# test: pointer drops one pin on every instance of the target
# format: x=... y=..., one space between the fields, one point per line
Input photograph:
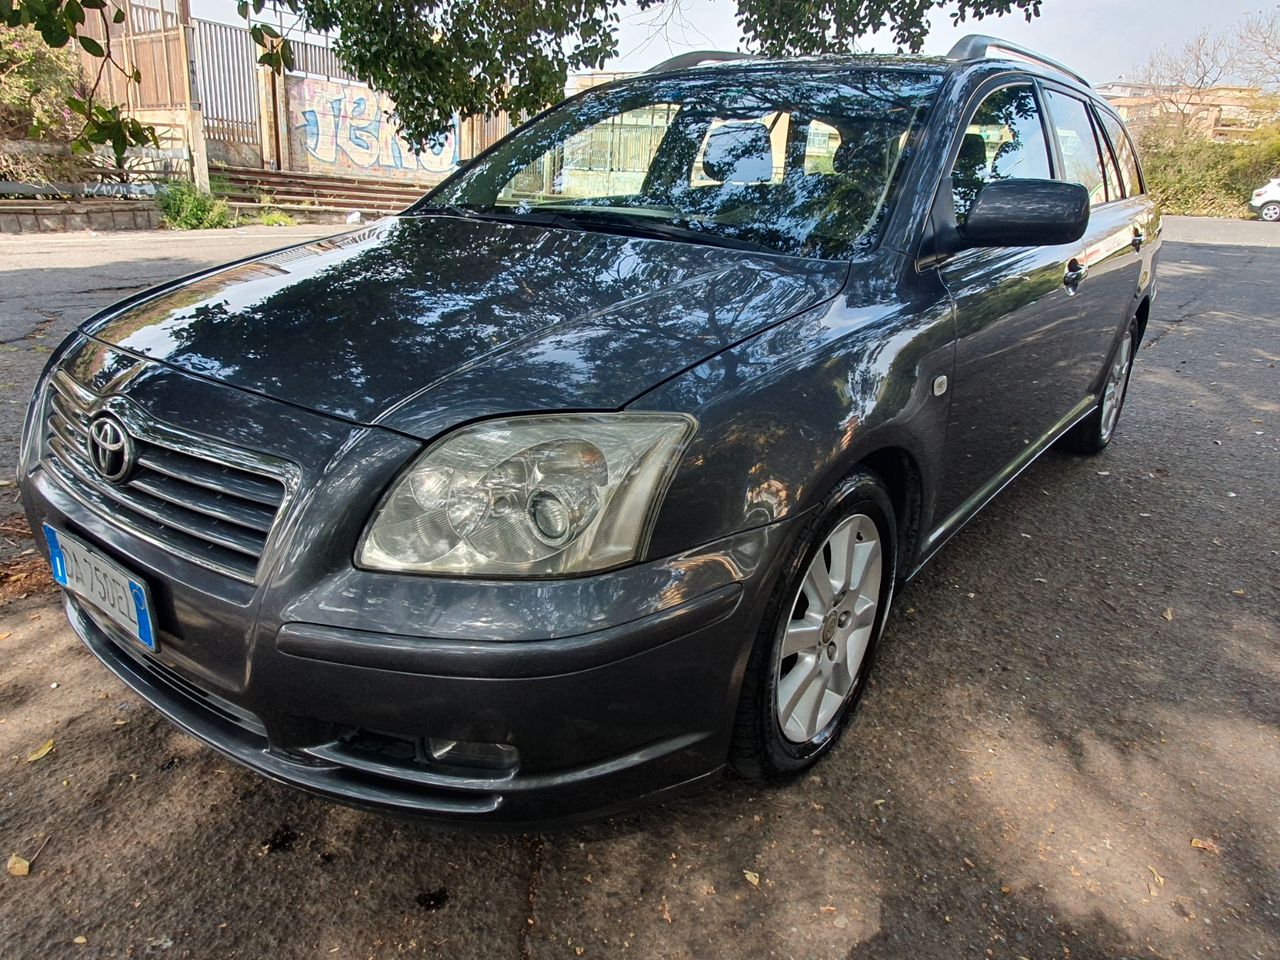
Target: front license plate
x=103 y=583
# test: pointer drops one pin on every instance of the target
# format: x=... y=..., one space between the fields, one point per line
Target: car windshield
x=776 y=160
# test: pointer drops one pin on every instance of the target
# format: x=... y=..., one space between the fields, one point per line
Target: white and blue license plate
x=102 y=583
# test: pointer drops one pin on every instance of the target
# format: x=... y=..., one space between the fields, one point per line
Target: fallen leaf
x=666 y=911
x=1159 y=879
x=827 y=909
x=80 y=940
x=18 y=866
x=40 y=751
x=1168 y=613
x=6 y=636
x=1205 y=845
x=1238 y=593
x=753 y=878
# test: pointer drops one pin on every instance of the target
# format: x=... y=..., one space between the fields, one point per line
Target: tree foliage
x=438 y=59
x=1200 y=178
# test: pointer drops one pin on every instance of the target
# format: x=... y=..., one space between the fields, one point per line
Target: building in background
x=222 y=114
x=1221 y=112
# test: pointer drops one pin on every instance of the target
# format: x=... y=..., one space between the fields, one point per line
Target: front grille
x=208 y=503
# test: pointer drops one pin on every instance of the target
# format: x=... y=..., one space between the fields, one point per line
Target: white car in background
x=1266 y=201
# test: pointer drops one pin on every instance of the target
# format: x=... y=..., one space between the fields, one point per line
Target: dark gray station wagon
x=594 y=472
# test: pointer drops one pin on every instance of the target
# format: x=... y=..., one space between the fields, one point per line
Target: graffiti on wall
x=343 y=128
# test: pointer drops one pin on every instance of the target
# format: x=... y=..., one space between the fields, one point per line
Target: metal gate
x=226 y=65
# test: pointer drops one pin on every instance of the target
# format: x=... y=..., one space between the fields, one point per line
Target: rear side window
x=1114 y=191
x=1081 y=160
x=1004 y=141
x=1126 y=157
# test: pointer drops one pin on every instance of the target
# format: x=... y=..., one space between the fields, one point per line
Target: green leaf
x=93 y=4
x=118 y=17
x=53 y=31
x=91 y=46
x=242 y=10
x=78 y=107
x=74 y=12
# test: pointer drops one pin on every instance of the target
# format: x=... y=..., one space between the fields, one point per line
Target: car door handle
x=1139 y=238
x=1076 y=271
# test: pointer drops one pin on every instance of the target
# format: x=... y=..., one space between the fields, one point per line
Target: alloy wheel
x=1271 y=212
x=825 y=639
x=1117 y=382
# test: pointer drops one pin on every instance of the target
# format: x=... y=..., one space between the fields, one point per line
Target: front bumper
x=599 y=720
x=664 y=705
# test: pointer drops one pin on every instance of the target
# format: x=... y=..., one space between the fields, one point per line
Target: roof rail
x=976 y=46
x=682 y=60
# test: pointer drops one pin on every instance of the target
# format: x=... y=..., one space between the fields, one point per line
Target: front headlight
x=529 y=496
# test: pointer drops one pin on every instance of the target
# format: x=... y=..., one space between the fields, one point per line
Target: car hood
x=417 y=322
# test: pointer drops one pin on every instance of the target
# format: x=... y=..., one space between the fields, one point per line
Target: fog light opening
x=470 y=753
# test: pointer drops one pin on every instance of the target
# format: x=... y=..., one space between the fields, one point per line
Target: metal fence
x=226 y=64
x=317 y=61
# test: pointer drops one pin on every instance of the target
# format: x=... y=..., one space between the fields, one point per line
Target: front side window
x=1081 y=160
x=769 y=160
x=1004 y=141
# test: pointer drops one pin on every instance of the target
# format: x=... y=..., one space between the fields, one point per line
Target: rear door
x=1016 y=312
x=1117 y=230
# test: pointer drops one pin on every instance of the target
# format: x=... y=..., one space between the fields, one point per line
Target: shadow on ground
x=1071 y=748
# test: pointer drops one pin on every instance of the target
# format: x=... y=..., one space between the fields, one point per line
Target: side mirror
x=1026 y=213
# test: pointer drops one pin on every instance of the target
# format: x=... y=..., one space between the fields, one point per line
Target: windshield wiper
x=589 y=221
x=500 y=215
x=639 y=226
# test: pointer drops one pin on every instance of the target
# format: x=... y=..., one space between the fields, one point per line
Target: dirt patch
x=23 y=572
x=22 y=577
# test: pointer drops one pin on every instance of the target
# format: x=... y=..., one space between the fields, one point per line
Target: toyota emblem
x=110 y=448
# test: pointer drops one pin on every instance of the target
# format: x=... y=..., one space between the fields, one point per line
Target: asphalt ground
x=1070 y=747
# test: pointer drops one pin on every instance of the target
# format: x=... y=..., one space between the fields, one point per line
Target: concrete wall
x=341 y=129
x=59 y=216
x=225 y=153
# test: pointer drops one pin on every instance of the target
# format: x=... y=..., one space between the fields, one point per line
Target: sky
x=1102 y=39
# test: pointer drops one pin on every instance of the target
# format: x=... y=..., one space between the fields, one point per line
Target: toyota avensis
x=593 y=473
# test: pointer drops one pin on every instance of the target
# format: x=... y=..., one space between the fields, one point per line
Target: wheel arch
x=1140 y=316
x=903 y=478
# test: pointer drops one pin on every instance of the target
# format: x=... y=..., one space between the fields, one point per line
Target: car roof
x=969 y=54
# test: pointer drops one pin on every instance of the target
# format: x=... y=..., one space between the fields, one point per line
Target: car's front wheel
x=811 y=658
x=1270 y=212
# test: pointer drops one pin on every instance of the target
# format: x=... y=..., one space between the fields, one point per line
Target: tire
x=766 y=744
x=1270 y=212
x=1092 y=434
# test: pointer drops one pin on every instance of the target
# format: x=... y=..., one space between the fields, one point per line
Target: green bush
x=35 y=81
x=274 y=218
x=1197 y=177
x=184 y=207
